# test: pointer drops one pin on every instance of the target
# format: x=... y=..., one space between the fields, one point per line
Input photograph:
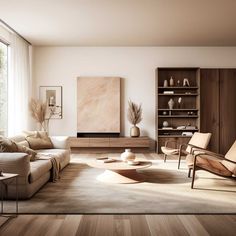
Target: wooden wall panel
x=209 y=106
x=227 y=109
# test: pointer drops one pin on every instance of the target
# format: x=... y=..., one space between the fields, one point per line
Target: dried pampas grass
x=38 y=111
x=134 y=113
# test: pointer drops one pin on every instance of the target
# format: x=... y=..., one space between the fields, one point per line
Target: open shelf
x=185 y=109
x=161 y=87
x=179 y=130
x=173 y=136
x=187 y=113
x=177 y=116
x=178 y=94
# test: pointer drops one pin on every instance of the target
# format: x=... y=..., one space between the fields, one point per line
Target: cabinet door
x=209 y=106
x=227 y=109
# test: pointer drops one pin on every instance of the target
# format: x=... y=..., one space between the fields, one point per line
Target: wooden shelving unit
x=185 y=114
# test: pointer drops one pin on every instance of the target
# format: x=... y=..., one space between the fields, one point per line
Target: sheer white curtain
x=19 y=85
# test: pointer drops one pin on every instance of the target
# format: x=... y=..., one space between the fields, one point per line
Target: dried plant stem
x=134 y=113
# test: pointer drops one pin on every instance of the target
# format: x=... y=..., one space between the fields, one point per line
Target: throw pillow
x=27 y=150
x=6 y=145
x=39 y=140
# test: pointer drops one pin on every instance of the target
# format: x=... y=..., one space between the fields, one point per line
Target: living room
x=117 y=118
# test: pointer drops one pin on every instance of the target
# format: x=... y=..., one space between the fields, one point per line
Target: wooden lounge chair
x=221 y=165
x=200 y=140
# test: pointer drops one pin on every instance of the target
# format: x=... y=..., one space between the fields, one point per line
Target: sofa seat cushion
x=60 y=154
x=39 y=168
x=169 y=151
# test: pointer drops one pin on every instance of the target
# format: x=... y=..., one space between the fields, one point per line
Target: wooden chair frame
x=211 y=154
x=181 y=150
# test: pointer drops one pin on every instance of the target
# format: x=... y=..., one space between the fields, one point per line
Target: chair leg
x=179 y=160
x=165 y=157
x=189 y=173
x=193 y=178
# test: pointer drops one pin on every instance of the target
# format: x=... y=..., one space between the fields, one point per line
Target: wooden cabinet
x=119 y=142
x=227 y=109
x=184 y=116
x=209 y=106
x=218 y=107
x=79 y=142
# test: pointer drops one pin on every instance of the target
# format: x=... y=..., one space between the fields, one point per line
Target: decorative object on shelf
x=188 y=134
x=164 y=113
x=171 y=104
x=165 y=124
x=178 y=83
x=134 y=117
x=40 y=113
x=181 y=127
x=179 y=102
x=165 y=83
x=52 y=96
x=127 y=155
x=168 y=92
x=186 y=82
x=190 y=113
x=172 y=83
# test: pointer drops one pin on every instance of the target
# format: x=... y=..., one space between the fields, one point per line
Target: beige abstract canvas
x=98 y=105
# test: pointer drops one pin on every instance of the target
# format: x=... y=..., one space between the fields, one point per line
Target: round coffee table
x=120 y=172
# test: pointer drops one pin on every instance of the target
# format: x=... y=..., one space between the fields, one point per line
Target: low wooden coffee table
x=120 y=172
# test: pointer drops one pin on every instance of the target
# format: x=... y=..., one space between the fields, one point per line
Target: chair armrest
x=60 y=142
x=205 y=151
x=16 y=163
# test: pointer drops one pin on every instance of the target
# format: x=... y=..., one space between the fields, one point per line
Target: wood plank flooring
x=125 y=225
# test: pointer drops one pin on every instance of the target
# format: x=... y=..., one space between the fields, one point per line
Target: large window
x=3 y=88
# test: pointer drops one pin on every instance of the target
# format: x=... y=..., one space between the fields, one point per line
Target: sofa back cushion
x=38 y=140
x=18 y=138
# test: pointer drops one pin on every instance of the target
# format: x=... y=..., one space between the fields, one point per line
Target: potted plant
x=134 y=117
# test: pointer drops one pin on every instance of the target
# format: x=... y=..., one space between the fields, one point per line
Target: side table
x=4 y=181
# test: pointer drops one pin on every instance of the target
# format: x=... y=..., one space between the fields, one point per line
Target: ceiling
x=123 y=22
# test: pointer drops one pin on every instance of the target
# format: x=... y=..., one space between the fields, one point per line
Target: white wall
x=59 y=66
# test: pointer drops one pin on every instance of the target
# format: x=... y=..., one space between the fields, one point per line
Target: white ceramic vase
x=171 y=104
x=127 y=155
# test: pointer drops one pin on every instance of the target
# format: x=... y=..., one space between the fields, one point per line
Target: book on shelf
x=167 y=127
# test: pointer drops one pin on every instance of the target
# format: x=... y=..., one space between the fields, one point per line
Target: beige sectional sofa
x=33 y=174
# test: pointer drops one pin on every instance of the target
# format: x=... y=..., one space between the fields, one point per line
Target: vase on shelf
x=172 y=81
x=134 y=131
x=171 y=104
x=165 y=83
x=127 y=155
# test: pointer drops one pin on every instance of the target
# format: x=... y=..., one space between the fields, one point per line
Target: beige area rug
x=166 y=190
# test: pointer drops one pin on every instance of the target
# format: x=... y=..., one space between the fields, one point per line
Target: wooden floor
x=106 y=225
